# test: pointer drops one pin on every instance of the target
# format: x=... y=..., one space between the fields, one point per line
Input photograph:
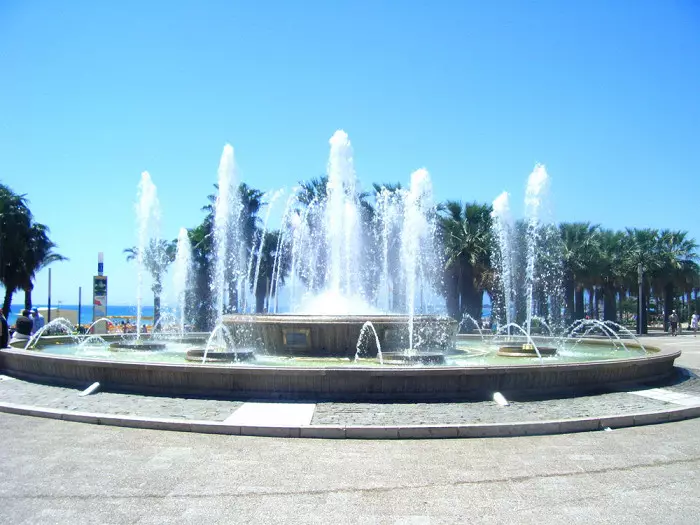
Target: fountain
x=147 y=216
x=357 y=282
x=332 y=260
x=182 y=272
x=504 y=233
x=503 y=226
x=147 y=210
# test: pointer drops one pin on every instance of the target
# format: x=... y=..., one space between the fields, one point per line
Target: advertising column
x=99 y=296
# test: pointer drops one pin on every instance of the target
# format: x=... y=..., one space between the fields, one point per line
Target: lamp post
x=640 y=275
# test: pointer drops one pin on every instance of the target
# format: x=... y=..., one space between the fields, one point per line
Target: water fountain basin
x=218 y=355
x=526 y=350
x=423 y=357
x=138 y=345
x=59 y=361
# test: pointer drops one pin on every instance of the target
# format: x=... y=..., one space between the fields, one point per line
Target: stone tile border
x=526 y=428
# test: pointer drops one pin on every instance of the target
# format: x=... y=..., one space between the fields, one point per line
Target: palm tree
x=611 y=269
x=251 y=201
x=25 y=247
x=268 y=255
x=642 y=250
x=15 y=223
x=313 y=190
x=580 y=248
x=39 y=255
x=158 y=254
x=467 y=238
x=677 y=259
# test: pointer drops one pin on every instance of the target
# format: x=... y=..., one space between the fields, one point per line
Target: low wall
x=348 y=383
x=337 y=336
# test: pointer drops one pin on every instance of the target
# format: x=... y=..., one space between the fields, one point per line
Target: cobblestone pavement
x=63 y=472
x=26 y=393
x=482 y=412
x=604 y=404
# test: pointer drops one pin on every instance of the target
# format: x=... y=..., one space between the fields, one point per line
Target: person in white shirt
x=38 y=320
x=694 y=324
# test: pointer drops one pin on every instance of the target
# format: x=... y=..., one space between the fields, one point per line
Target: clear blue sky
x=606 y=94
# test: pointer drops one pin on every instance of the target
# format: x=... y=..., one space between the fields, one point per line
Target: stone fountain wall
x=328 y=336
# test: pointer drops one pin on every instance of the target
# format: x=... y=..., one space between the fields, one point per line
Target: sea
x=86 y=312
x=117 y=311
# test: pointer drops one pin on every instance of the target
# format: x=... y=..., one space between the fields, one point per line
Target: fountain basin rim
x=344 y=383
x=653 y=354
x=336 y=319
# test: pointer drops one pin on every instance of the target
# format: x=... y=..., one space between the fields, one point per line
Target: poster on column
x=99 y=301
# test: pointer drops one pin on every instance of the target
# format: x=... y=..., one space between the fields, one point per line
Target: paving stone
x=28 y=393
x=619 y=403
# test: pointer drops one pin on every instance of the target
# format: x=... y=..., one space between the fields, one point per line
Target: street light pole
x=48 y=313
x=640 y=275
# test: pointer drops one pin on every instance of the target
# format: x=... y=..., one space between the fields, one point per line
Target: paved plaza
x=55 y=471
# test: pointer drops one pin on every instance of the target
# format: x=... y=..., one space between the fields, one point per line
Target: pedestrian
x=37 y=321
x=694 y=324
x=23 y=327
x=673 y=319
x=5 y=333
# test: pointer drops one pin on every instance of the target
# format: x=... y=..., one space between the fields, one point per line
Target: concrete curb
x=524 y=428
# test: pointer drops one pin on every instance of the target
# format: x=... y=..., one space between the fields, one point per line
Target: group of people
x=126 y=327
x=26 y=325
x=674 y=321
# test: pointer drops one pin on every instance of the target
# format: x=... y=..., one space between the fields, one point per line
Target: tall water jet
x=289 y=219
x=388 y=219
x=182 y=272
x=503 y=225
x=342 y=219
x=223 y=209
x=537 y=187
x=261 y=245
x=147 y=215
x=416 y=230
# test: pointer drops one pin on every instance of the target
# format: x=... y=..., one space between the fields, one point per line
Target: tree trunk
x=7 y=302
x=28 y=297
x=569 y=299
x=579 y=312
x=471 y=299
x=260 y=293
x=691 y=310
x=609 y=303
x=233 y=296
x=542 y=306
x=591 y=302
x=668 y=304
x=156 y=311
x=452 y=293
x=596 y=302
x=645 y=314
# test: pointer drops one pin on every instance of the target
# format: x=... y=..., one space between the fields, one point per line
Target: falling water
x=147 y=214
x=261 y=246
x=342 y=214
x=537 y=186
x=365 y=329
x=503 y=224
x=181 y=273
x=388 y=213
x=61 y=323
x=415 y=230
x=287 y=217
x=222 y=222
